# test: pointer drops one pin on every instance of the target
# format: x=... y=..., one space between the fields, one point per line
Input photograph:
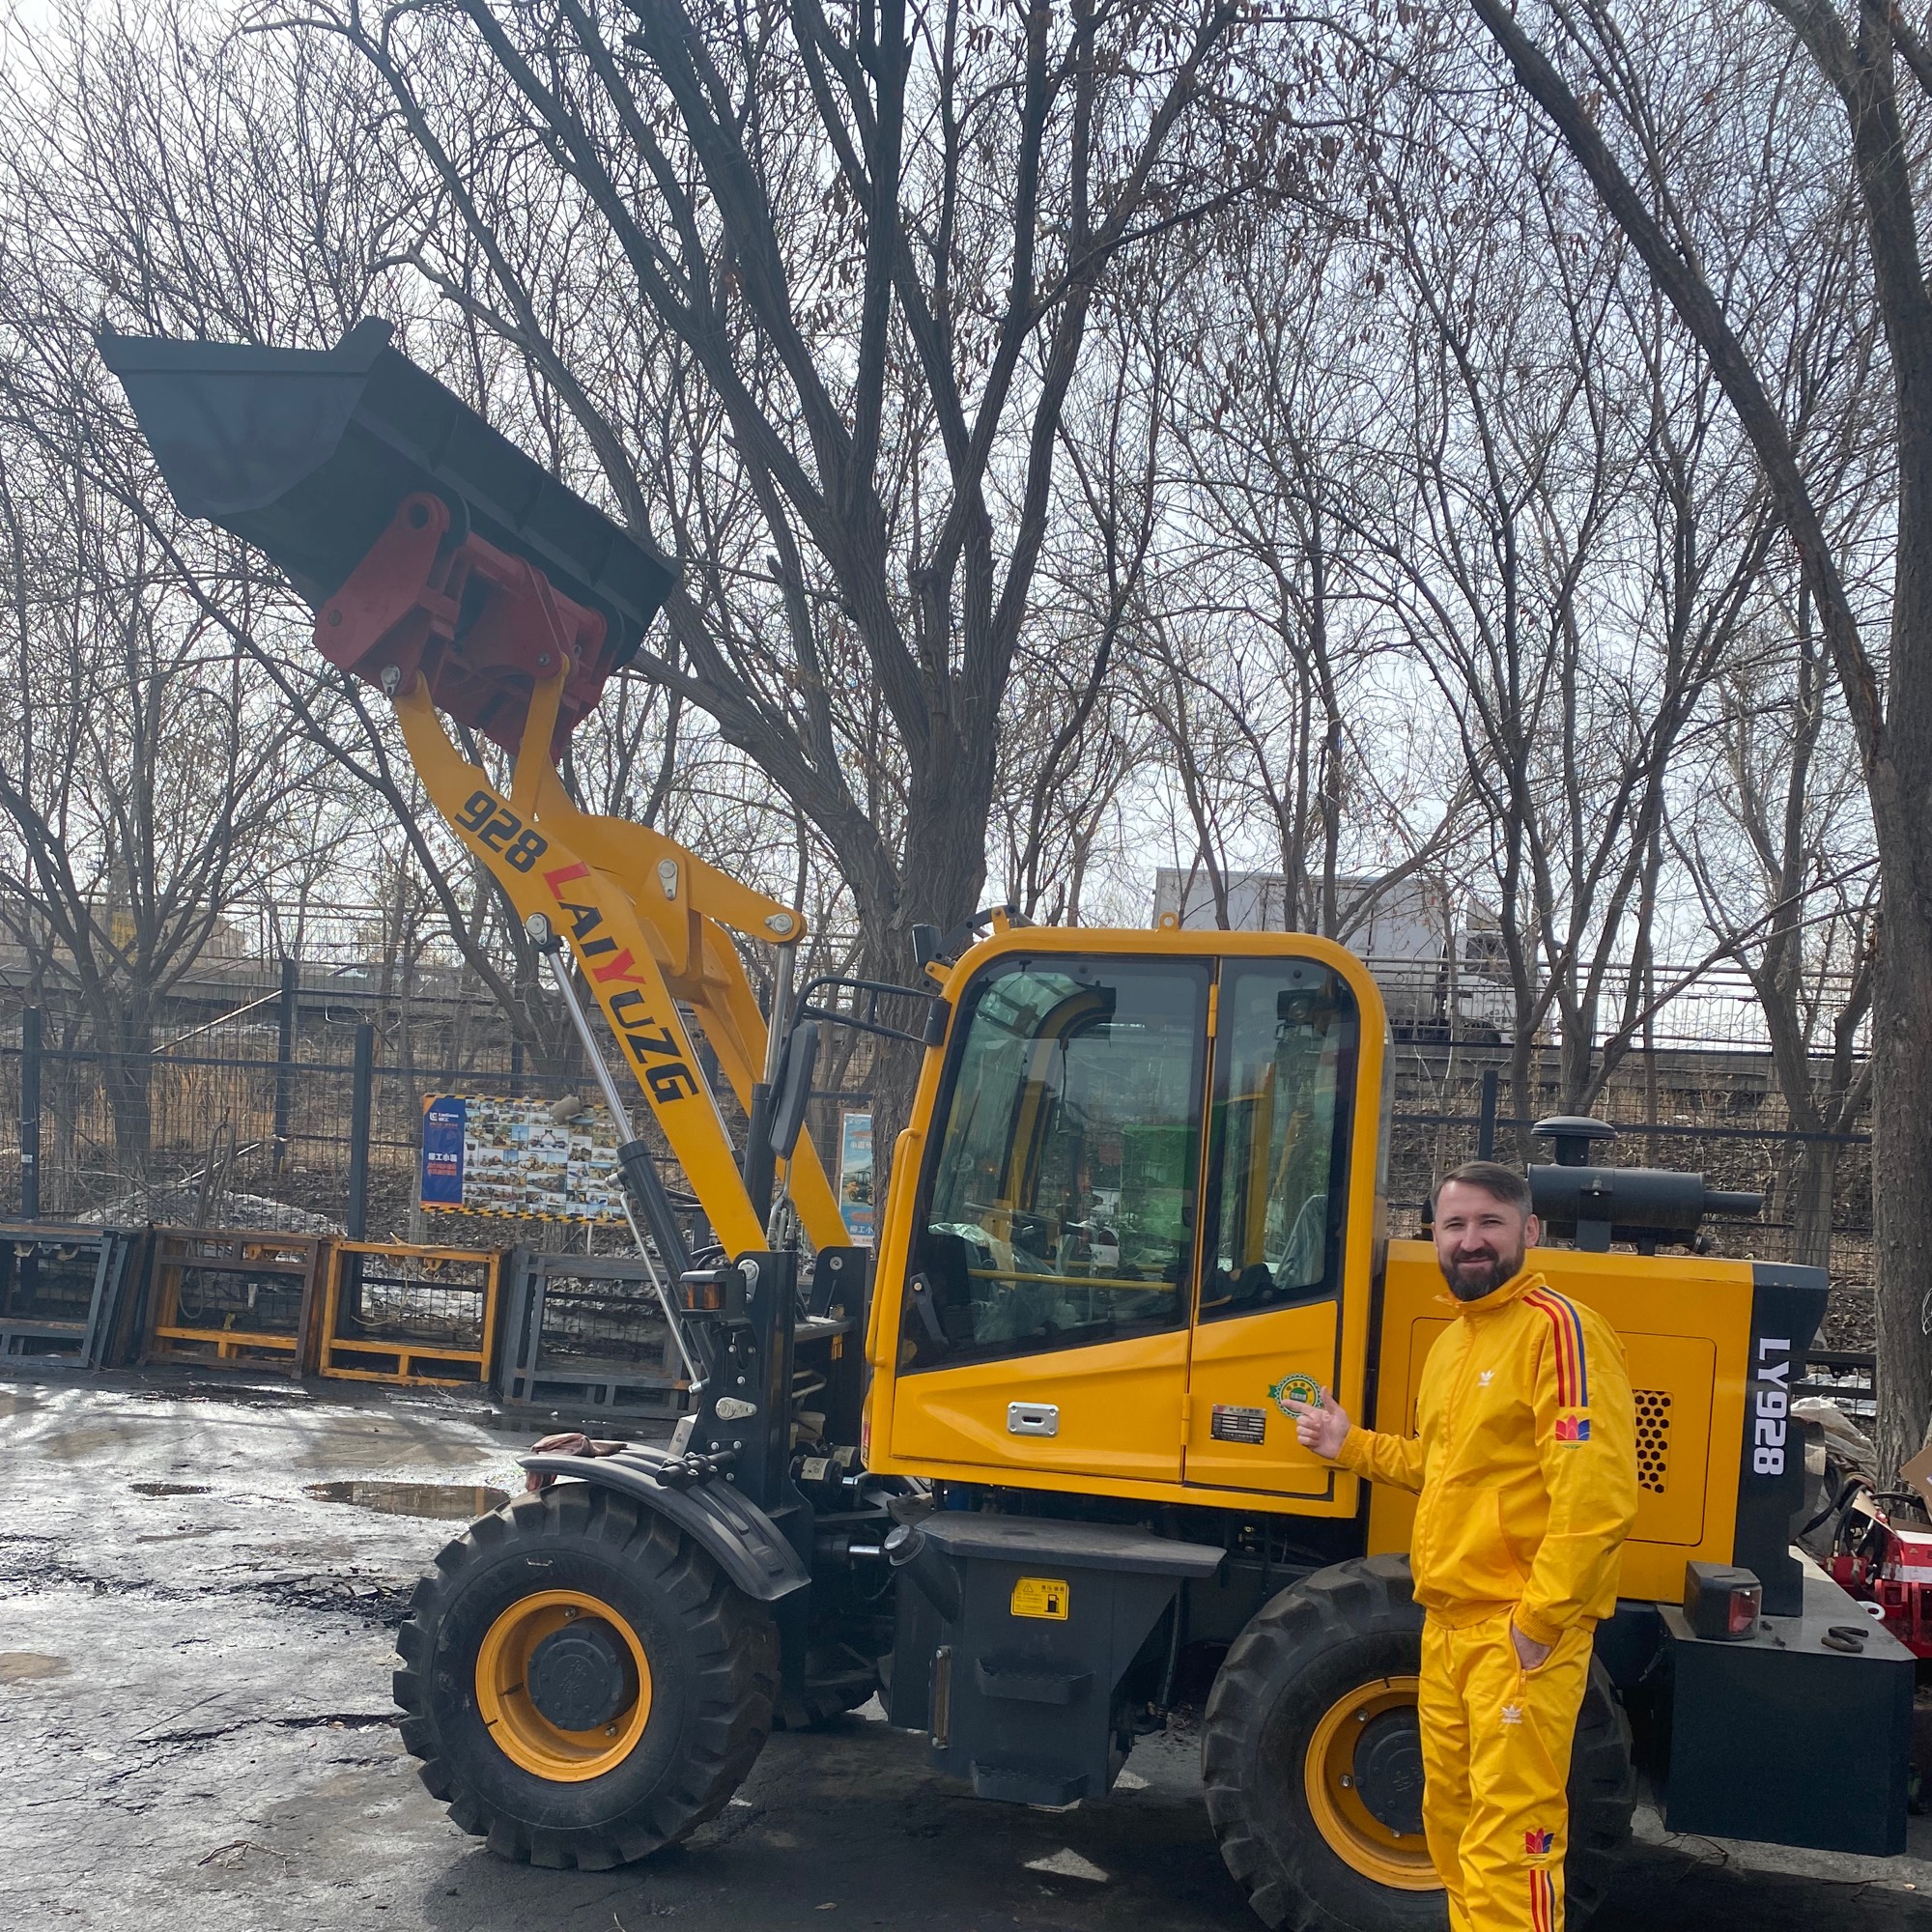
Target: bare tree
x=1568 y=548
x=1312 y=761
x=869 y=246
x=1070 y=731
x=1777 y=843
x=142 y=788
x=1857 y=53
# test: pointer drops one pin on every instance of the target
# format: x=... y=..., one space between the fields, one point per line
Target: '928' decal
x=499 y=828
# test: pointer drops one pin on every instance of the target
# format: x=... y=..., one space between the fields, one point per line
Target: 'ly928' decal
x=1774 y=1403
x=499 y=828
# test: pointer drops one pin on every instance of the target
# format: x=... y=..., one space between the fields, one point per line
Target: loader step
x=1017 y=1678
x=1023 y=1781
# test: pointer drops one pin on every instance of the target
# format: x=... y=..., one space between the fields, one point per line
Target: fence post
x=285 y=1058
x=1486 y=1125
x=360 y=1106
x=30 y=1113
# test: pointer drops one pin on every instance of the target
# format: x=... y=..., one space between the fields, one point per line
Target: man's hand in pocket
x=1530 y=1653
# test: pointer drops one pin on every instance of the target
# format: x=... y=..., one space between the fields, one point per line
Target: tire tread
x=727 y=1727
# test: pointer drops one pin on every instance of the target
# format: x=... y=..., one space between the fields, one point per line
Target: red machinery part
x=1892 y=1568
x=481 y=626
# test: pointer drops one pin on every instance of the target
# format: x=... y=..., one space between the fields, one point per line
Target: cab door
x=1270 y=1320
x=1050 y=1272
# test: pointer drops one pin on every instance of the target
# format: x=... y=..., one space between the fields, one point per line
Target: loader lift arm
x=644 y=918
x=461 y=579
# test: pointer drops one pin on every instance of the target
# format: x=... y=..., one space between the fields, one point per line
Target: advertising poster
x=483 y=1155
x=855 y=1176
x=443 y=1151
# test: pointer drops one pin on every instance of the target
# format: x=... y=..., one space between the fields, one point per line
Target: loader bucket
x=307 y=454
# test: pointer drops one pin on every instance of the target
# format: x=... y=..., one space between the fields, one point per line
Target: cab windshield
x=1060 y=1208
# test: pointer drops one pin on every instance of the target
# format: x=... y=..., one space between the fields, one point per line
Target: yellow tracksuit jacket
x=1526 y=1463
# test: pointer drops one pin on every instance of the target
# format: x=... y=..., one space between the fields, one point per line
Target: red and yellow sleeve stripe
x=1573 y=1370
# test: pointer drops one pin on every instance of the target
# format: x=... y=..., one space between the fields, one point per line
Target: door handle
x=1032 y=1419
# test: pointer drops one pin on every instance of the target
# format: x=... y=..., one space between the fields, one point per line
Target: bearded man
x=1526 y=1463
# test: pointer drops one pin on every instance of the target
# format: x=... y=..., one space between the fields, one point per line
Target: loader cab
x=1141 y=1212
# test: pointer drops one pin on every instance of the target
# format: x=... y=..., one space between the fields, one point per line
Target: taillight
x=1722 y=1599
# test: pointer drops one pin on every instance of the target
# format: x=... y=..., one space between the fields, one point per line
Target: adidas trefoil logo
x=1512 y=1715
x=1484 y=1380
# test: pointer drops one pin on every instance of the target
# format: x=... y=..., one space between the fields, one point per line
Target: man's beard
x=1471 y=1280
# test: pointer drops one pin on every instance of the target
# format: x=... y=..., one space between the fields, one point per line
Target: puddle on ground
x=23 y=1667
x=457 y=1502
x=169 y=1489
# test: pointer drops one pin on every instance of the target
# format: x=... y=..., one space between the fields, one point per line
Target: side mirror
x=792 y=1088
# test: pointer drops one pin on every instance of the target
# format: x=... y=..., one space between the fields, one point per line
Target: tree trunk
x=1901 y=1202
x=1809 y=1196
x=129 y=1071
x=940 y=880
x=1524 y=1092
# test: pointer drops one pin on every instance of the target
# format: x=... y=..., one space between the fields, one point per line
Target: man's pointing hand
x=1320 y=1424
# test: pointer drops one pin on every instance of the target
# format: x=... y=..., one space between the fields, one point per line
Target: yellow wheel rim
x=520 y=1730
x=1350 y=1828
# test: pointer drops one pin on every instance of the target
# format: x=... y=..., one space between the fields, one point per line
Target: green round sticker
x=1304 y=1389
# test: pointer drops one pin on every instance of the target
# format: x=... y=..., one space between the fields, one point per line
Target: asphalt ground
x=196 y=1734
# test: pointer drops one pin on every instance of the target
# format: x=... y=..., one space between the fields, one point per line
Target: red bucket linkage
x=481 y=626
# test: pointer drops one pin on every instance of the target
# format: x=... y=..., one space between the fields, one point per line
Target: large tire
x=698 y=1663
x=1352 y=1634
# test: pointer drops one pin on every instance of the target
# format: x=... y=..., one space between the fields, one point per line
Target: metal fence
x=315 y=1119
x=298 y=1110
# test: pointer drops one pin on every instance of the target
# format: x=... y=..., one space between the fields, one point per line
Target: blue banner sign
x=445 y=1116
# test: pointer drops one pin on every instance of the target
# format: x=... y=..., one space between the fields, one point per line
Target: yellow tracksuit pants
x=1496 y=1759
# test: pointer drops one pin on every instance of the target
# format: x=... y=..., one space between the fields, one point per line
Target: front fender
x=739 y=1537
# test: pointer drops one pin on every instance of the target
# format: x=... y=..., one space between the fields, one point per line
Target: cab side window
x=1058 y=1208
x=1286 y=1046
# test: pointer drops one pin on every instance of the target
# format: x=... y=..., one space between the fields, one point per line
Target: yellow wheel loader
x=1030 y=1466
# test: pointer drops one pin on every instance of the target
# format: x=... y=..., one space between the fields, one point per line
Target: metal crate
x=234 y=1299
x=64 y=1291
x=399 y=1313
x=586 y=1337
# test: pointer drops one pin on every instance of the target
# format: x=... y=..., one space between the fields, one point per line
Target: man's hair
x=1506 y=1183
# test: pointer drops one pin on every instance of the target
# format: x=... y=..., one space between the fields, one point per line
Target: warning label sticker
x=1040 y=1597
x=1230 y=1424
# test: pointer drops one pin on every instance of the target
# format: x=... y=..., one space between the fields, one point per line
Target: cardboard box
x=1918 y=1475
